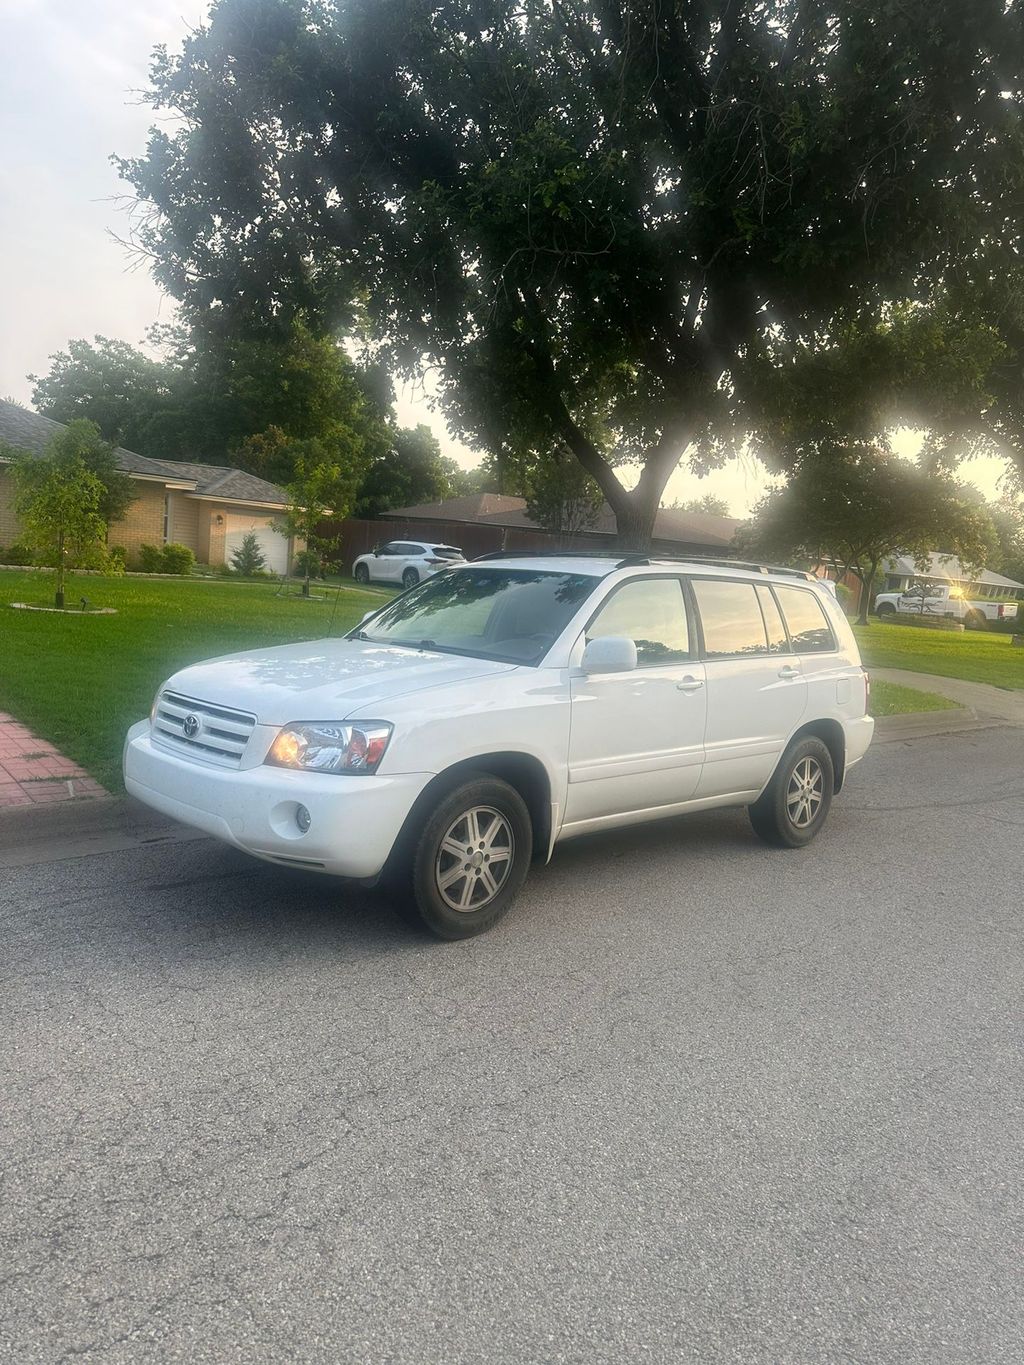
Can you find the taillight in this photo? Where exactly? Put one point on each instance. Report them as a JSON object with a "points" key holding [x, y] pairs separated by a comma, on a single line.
{"points": [[435, 561], [867, 688], [1002, 611]]}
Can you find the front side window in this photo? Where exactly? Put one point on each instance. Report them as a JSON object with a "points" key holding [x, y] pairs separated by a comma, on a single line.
{"points": [[388, 548], [514, 615], [730, 617], [650, 612], [808, 625]]}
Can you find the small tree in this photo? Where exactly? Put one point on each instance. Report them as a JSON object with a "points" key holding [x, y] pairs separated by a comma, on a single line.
{"points": [[322, 487], [856, 506], [248, 558], [561, 496], [709, 503], [58, 501]]}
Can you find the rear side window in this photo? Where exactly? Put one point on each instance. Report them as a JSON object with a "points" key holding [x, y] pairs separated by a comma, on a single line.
{"points": [[774, 625], [731, 618], [650, 612], [446, 551], [808, 625]]}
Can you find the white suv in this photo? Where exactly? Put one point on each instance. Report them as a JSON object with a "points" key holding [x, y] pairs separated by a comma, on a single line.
{"points": [[469, 725], [405, 561]]}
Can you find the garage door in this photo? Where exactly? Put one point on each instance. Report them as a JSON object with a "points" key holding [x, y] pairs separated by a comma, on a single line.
{"points": [[272, 543]]}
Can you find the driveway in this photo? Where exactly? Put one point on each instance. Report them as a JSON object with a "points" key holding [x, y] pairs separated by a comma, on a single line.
{"points": [[694, 1101]]}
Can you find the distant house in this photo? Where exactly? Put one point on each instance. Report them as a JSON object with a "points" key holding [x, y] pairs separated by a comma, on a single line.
{"points": [[207, 507], [482, 522], [901, 574]]}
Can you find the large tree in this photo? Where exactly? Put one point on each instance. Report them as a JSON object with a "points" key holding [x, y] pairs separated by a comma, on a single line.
{"points": [[410, 470], [853, 507], [588, 215]]}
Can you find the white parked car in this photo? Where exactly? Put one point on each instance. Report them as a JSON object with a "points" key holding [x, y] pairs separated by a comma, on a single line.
{"points": [[405, 561], [945, 599], [471, 724]]}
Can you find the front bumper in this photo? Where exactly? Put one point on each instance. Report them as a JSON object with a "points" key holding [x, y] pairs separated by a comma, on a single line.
{"points": [[354, 820]]}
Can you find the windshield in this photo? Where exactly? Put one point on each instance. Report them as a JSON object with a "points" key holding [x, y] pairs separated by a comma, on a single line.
{"points": [[514, 615]]}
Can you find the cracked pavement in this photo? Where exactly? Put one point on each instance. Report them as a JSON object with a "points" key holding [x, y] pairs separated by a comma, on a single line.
{"points": [[694, 1099]]}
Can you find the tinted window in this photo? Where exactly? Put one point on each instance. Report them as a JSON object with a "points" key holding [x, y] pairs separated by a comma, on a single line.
{"points": [[509, 614], [403, 547], [649, 612], [446, 551], [730, 616], [388, 548], [777, 642], [808, 625]]}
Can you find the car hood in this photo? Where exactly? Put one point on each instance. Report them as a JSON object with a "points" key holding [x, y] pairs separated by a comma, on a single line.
{"points": [[324, 679]]}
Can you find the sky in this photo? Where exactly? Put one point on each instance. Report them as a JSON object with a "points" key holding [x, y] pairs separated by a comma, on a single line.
{"points": [[68, 101]]}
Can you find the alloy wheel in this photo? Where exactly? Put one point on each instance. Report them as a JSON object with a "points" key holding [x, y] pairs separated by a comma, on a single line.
{"points": [[474, 859], [804, 792]]}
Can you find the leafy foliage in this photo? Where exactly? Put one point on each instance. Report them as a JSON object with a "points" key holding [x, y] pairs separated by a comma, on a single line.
{"points": [[177, 559], [591, 218], [561, 496], [709, 503], [58, 502], [856, 506], [249, 558], [411, 470]]}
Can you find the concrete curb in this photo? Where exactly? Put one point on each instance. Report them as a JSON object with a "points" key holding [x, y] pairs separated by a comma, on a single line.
{"points": [[53, 833], [921, 724]]}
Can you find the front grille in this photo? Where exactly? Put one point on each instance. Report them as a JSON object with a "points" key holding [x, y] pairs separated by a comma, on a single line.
{"points": [[199, 729]]}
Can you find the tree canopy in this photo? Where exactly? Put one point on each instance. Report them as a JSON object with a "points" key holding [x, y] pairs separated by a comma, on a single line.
{"points": [[591, 217], [853, 507]]}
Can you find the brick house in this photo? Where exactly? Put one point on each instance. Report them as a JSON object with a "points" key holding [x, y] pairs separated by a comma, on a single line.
{"points": [[207, 507]]}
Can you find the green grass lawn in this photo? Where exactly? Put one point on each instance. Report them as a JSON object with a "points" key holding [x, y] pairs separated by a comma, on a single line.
{"points": [[893, 699], [80, 681], [978, 656]]}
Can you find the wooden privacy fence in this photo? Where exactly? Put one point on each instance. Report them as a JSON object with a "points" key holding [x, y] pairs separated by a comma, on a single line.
{"points": [[353, 537]]}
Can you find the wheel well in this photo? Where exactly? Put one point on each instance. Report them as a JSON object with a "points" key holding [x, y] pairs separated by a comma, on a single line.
{"points": [[522, 771], [830, 732]]}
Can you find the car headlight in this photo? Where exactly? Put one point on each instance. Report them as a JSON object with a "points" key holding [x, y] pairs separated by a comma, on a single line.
{"points": [[327, 747]]}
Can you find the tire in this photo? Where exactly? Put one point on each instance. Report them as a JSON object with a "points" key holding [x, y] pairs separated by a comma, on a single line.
{"points": [[779, 815], [974, 620], [361, 574], [410, 578], [886, 609], [456, 895]]}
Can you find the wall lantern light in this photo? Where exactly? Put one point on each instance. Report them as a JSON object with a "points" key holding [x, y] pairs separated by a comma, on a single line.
{"points": [[219, 519]]}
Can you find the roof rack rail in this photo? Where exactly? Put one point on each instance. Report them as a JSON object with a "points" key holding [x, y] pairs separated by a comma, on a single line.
{"points": [[544, 554], [637, 559], [752, 566]]}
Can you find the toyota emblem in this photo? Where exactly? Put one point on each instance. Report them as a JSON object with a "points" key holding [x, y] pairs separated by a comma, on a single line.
{"points": [[190, 727]]}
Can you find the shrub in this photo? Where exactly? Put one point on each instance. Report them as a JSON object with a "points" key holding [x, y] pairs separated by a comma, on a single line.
{"points": [[17, 555], [117, 559], [844, 594], [1011, 625], [308, 563], [248, 559], [151, 558], [177, 558]]}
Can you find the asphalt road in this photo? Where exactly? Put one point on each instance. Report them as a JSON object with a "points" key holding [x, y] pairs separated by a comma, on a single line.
{"points": [[694, 1101]]}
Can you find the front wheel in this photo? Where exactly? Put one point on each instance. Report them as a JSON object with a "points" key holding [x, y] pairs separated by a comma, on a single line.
{"points": [[470, 859], [410, 578], [885, 609], [362, 574], [795, 804]]}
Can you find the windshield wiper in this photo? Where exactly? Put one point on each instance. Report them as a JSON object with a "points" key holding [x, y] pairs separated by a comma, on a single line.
{"points": [[427, 644]]}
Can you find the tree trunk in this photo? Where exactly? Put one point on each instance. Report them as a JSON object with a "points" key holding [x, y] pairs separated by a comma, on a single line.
{"points": [[58, 596], [866, 583], [634, 523]]}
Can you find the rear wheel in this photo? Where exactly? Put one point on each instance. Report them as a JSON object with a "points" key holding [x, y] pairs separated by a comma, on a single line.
{"points": [[410, 578], [796, 802], [470, 859], [975, 620], [362, 574]]}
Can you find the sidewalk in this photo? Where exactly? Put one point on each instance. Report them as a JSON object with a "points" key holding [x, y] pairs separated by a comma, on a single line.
{"points": [[987, 702], [34, 773]]}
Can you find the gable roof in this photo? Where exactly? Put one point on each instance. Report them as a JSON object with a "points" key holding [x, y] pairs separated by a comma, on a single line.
{"points": [[948, 567], [30, 431], [496, 509]]}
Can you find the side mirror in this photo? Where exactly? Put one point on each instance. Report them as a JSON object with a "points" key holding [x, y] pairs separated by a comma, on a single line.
{"points": [[609, 654]]}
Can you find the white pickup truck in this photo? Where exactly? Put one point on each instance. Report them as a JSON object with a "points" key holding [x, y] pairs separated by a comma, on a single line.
{"points": [[945, 599]]}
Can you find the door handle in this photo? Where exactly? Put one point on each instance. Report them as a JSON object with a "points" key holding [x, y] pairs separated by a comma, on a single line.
{"points": [[789, 671], [689, 684]]}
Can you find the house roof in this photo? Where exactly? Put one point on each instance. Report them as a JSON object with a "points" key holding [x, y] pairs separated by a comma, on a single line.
{"points": [[949, 567], [496, 509], [30, 431]]}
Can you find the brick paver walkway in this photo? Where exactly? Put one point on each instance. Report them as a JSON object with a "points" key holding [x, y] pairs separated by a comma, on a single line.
{"points": [[33, 772]]}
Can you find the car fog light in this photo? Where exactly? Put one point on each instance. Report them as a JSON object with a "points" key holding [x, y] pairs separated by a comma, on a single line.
{"points": [[303, 818]]}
